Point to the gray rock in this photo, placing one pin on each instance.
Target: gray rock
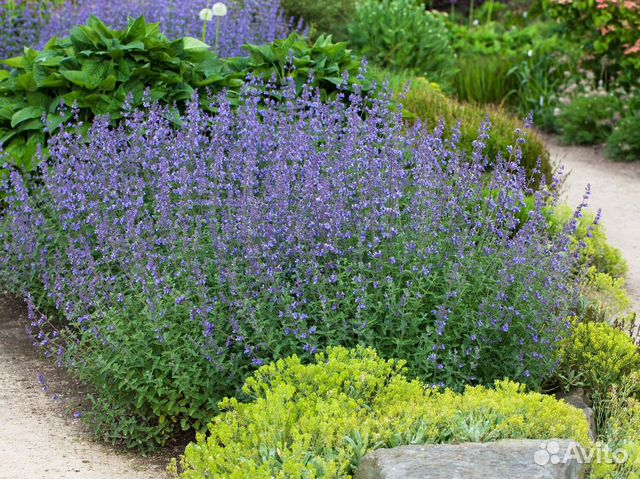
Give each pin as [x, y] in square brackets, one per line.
[578, 399]
[507, 459]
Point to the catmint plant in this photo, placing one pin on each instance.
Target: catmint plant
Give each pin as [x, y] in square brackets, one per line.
[20, 24]
[164, 263]
[247, 21]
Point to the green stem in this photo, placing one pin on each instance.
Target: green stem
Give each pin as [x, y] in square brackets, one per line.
[217, 32]
[204, 31]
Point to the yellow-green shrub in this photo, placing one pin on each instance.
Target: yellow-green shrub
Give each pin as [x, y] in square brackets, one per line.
[318, 420]
[604, 297]
[600, 357]
[429, 104]
[596, 251]
[622, 432]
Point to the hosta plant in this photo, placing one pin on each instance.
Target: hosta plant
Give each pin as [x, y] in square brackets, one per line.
[97, 70]
[246, 21]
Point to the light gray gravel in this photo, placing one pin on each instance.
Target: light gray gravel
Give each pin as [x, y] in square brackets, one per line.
[615, 189]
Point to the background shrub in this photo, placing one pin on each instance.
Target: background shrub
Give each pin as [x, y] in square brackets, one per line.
[180, 259]
[329, 16]
[608, 29]
[430, 105]
[624, 142]
[587, 119]
[319, 420]
[402, 35]
[520, 67]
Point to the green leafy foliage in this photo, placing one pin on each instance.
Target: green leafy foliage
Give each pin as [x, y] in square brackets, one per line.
[588, 119]
[601, 357]
[319, 420]
[97, 70]
[294, 57]
[608, 29]
[402, 35]
[590, 241]
[329, 16]
[521, 68]
[624, 142]
[429, 104]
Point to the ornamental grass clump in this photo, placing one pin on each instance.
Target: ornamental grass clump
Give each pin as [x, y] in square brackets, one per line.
[168, 257]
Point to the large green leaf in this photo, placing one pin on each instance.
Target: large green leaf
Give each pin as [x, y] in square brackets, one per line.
[16, 62]
[190, 43]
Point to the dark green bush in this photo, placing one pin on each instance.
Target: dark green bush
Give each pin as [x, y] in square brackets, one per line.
[402, 35]
[329, 16]
[624, 141]
[588, 118]
[520, 68]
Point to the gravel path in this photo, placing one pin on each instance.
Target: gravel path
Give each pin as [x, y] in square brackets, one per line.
[615, 189]
[39, 439]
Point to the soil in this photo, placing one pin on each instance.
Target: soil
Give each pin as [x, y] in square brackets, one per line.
[40, 438]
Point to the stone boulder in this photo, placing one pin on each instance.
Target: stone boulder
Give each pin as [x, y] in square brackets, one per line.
[578, 399]
[506, 459]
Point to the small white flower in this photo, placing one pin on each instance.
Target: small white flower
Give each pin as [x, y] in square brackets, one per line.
[476, 22]
[206, 14]
[219, 9]
[525, 14]
[530, 53]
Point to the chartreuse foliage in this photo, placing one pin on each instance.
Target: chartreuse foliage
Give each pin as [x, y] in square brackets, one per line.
[598, 357]
[97, 70]
[590, 240]
[319, 420]
[429, 104]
